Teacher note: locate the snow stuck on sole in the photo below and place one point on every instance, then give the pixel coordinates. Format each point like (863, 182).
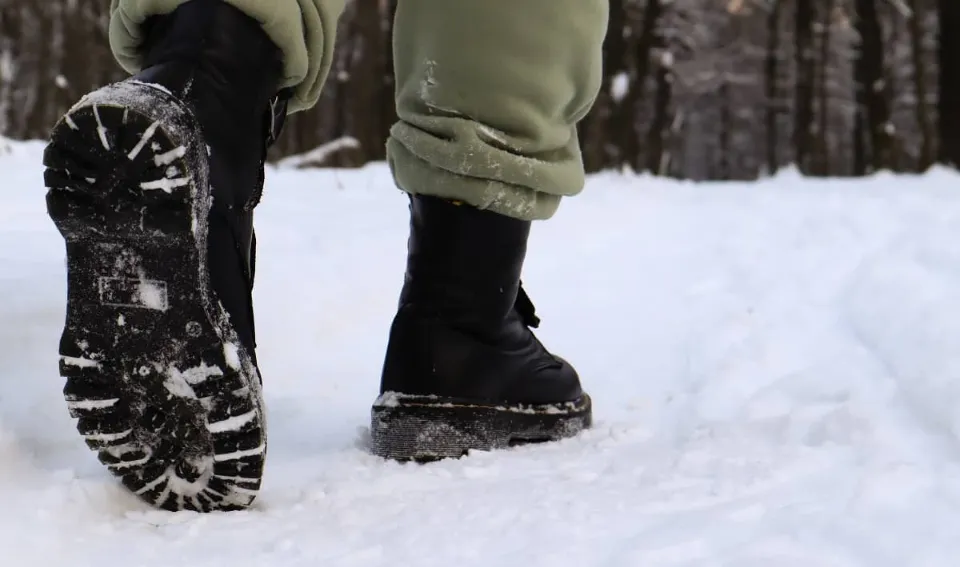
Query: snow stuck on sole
(773, 368)
(426, 428)
(148, 355)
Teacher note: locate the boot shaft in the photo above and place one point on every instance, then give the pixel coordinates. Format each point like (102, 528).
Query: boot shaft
(222, 65)
(221, 62)
(217, 43)
(464, 264)
(462, 330)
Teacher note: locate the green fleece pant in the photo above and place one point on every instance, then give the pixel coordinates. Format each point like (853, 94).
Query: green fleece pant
(489, 92)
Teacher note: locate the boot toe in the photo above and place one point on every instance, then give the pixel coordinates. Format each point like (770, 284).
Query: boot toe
(551, 380)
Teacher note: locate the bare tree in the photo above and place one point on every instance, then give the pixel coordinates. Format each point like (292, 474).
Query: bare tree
(921, 104)
(803, 86)
(772, 83)
(697, 89)
(948, 125)
(875, 130)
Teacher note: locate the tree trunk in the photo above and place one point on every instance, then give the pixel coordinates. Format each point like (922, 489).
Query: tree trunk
(657, 134)
(948, 122)
(772, 88)
(726, 127)
(369, 56)
(621, 88)
(388, 106)
(917, 14)
(823, 165)
(803, 90)
(645, 45)
(873, 93)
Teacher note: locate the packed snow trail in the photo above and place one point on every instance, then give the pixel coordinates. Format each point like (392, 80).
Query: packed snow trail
(775, 368)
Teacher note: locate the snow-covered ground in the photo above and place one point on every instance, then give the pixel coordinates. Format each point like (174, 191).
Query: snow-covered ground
(775, 367)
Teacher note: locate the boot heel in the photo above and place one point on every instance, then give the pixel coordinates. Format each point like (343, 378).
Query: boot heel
(126, 160)
(154, 374)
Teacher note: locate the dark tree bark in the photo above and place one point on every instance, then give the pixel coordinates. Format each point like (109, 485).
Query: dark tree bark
(648, 116)
(948, 122)
(370, 52)
(657, 133)
(926, 157)
(645, 48)
(873, 100)
(726, 126)
(620, 119)
(388, 113)
(821, 163)
(657, 136)
(804, 89)
(925, 125)
(772, 87)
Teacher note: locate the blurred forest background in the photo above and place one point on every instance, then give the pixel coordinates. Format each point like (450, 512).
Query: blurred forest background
(694, 89)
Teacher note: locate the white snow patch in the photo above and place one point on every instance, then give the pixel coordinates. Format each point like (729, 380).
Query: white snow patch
(199, 374)
(429, 82)
(108, 437)
(165, 185)
(80, 362)
(147, 134)
(237, 455)
(319, 155)
(156, 86)
(667, 59)
(167, 158)
(388, 400)
(179, 485)
(92, 404)
(101, 130)
(181, 382)
(176, 384)
(493, 134)
(152, 294)
(231, 354)
(234, 423)
(619, 86)
(773, 366)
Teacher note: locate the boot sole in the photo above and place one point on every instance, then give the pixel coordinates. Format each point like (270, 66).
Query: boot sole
(427, 428)
(162, 389)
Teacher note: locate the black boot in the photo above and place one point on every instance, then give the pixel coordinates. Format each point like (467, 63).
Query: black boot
(152, 183)
(463, 370)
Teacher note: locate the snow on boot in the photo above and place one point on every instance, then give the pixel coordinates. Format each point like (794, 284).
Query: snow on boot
(152, 183)
(463, 371)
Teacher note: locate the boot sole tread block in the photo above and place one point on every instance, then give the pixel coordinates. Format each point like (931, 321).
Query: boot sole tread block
(161, 387)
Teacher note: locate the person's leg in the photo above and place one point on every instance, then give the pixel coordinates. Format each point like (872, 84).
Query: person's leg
(152, 183)
(305, 30)
(489, 93)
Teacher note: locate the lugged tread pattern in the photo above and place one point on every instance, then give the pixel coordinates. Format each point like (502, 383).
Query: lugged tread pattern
(428, 428)
(161, 387)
